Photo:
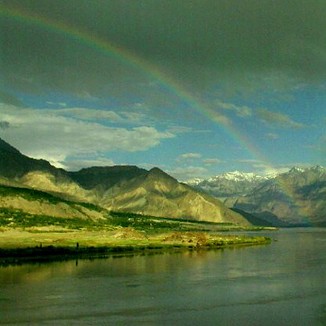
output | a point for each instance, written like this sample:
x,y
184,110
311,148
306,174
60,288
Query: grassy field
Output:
x,y
47,243
15,218
25,237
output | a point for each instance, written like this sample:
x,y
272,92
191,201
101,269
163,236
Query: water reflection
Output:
x,y
280,284
113,266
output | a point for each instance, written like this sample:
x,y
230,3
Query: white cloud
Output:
x,y
269,117
86,114
112,116
261,167
76,164
281,168
189,156
134,117
212,161
104,115
46,134
267,169
241,111
62,104
250,161
218,117
278,119
180,129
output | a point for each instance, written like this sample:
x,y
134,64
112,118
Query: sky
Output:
x,y
194,87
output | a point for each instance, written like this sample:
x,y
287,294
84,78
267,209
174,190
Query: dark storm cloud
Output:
x,y
200,43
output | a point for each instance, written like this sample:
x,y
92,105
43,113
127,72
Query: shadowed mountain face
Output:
x,y
6,148
120,188
13,164
105,177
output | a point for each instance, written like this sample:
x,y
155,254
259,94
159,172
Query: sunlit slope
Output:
x,y
15,203
158,194
121,188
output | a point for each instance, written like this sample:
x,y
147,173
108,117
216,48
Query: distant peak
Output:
x,y
318,168
296,169
315,168
194,181
237,176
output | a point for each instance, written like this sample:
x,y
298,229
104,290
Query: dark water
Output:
x,y
280,284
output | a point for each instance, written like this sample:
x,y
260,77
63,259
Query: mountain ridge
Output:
x,y
229,183
295,197
118,188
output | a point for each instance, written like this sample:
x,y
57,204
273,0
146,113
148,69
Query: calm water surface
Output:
x,y
280,284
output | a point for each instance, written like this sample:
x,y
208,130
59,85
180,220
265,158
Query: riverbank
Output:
x,y
46,244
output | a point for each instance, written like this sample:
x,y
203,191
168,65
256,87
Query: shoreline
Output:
x,y
46,247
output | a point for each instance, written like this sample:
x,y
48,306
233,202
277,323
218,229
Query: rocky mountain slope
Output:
x,y
155,193
158,194
121,188
16,201
297,197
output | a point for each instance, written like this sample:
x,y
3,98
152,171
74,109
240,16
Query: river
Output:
x,y
283,283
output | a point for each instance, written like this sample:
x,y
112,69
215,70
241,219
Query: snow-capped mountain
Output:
x,y
238,176
296,197
236,183
194,182
228,184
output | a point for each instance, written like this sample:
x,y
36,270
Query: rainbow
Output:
x,y
130,59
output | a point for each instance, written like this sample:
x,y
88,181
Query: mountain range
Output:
x,y
229,183
296,197
116,188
